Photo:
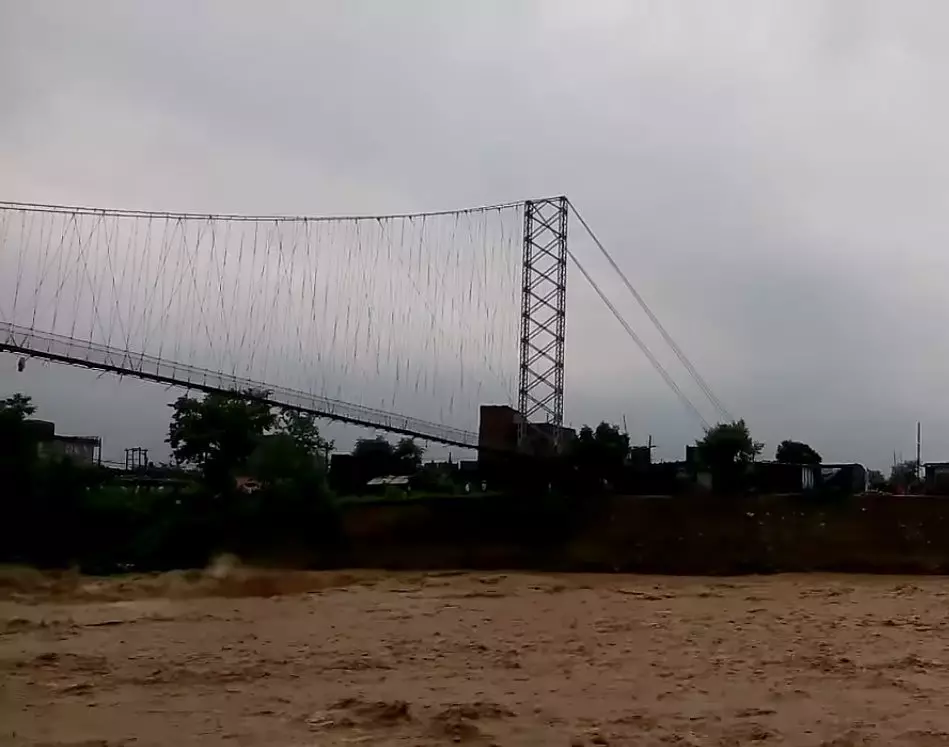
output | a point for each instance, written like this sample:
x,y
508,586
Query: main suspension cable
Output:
x,y
670,382
680,354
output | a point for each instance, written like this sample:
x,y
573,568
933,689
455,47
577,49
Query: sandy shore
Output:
x,y
265,658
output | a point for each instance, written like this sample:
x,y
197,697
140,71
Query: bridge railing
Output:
x,y
30,342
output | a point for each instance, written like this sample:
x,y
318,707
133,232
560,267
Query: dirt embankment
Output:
x,y
681,535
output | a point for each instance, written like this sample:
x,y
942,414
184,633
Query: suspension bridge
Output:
x,y
404,323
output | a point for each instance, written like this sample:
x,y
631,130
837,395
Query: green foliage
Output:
x,y
436,479
602,453
227,436
301,427
18,407
726,451
60,513
374,458
796,452
393,493
16,438
18,449
218,433
728,443
372,447
407,456
278,458
294,453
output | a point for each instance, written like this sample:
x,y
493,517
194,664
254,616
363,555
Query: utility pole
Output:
x,y
919,442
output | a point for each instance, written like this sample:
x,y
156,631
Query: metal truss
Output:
x,y
543,313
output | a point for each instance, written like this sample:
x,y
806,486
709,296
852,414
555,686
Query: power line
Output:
x,y
642,345
680,354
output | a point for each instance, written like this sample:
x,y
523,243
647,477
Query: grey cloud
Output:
x,y
771,176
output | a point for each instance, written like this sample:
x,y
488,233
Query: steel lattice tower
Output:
x,y
543,313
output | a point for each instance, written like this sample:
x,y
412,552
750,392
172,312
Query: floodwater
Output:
x,y
245,657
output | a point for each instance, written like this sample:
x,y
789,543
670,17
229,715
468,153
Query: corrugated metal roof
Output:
x,y
394,480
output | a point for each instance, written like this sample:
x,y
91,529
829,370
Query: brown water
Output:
x,y
243,657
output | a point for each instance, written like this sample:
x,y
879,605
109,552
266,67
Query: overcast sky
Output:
x,y
771,175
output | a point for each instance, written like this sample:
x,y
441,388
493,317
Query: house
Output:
x,y
504,437
849,478
86,450
937,477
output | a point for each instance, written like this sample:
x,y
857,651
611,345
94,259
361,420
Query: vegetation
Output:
x,y
17,450
600,454
253,479
376,457
64,513
218,433
727,444
726,450
796,452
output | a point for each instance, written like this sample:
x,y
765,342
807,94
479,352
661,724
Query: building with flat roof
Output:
x,y
503,435
54,446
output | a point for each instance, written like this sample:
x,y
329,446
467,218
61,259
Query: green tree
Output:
x,y
728,443
44,503
18,407
17,440
295,453
302,428
219,432
407,456
279,459
726,450
600,453
796,452
374,457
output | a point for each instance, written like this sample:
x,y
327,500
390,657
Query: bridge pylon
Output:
x,y
543,318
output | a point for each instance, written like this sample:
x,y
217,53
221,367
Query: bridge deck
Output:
x,y
34,343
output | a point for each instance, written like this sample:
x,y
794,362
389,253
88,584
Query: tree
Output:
x,y
727,449
796,452
17,441
18,407
218,433
601,453
373,457
407,456
728,443
301,427
295,453
279,459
